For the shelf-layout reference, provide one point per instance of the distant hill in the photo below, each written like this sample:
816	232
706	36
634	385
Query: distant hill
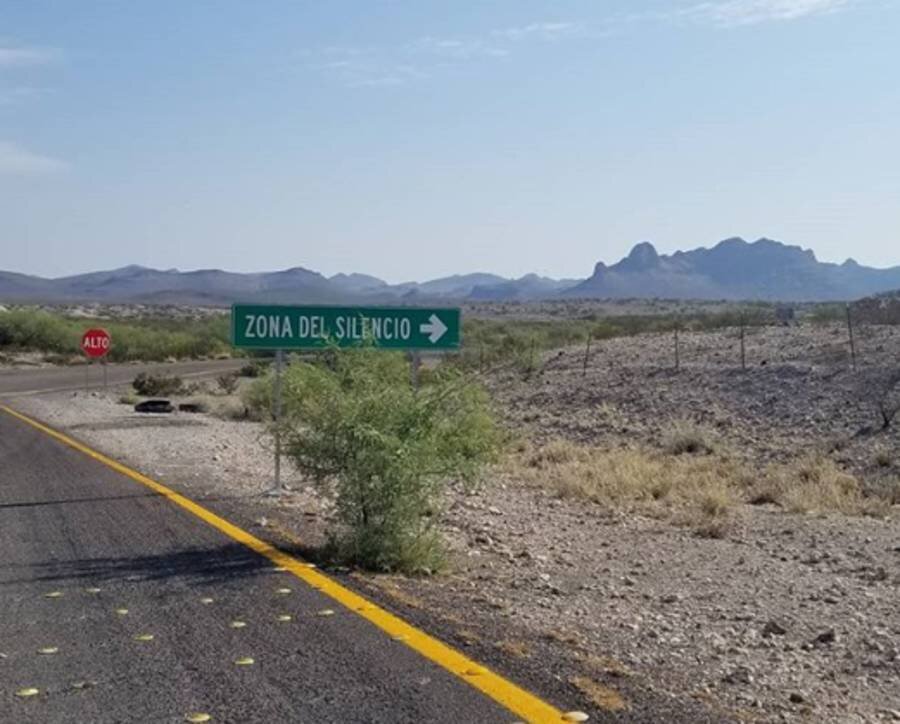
732	269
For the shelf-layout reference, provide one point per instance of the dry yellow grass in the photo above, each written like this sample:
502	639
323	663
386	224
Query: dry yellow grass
816	484
515	648
697	490
599	695
703	489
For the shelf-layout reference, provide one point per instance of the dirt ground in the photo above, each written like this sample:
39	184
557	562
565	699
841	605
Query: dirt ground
786	617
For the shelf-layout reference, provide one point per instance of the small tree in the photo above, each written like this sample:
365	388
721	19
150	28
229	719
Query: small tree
888	399
387	451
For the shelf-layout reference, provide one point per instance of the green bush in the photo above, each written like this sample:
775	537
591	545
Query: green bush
147	339
148	385
358	428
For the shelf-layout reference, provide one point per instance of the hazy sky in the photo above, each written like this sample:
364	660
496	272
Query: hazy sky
413	139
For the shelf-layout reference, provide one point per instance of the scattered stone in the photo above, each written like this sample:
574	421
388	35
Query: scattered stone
740	675
773	628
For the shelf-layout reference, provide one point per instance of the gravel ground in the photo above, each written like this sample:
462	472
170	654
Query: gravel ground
787	618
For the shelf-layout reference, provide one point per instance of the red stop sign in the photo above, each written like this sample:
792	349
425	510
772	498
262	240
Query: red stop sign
96	342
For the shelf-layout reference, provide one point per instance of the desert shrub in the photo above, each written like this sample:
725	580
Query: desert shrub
148	385
257	398
256	368
887	398
230	409
359	429
685	437
228	383
129	398
150	338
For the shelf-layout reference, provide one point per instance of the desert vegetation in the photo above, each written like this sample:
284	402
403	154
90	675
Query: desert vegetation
354	424
148	338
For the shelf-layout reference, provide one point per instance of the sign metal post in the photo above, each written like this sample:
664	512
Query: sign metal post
277	414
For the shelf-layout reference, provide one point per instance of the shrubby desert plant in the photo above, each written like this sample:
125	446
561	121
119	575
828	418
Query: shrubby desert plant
149	338
887	398
228	383
256	368
358	428
686	437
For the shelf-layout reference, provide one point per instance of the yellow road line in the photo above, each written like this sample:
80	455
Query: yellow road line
522	703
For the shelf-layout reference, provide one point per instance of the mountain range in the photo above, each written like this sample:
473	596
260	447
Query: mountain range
733	269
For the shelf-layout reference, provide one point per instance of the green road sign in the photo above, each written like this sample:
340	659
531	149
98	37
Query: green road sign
262	326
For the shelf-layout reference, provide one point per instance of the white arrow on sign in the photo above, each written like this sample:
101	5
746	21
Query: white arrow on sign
435	328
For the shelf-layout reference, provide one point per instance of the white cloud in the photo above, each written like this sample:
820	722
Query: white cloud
427	56
458	48
540	31
18	161
359	69
731	13
11	57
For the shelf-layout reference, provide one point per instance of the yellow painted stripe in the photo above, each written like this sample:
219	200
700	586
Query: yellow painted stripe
524	704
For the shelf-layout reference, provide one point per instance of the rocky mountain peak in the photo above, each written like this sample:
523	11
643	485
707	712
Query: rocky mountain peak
642	257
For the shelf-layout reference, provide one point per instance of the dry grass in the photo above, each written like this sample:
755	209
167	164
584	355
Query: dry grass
699	491
703	490
599	695
515	648
816	484
685	437
604	665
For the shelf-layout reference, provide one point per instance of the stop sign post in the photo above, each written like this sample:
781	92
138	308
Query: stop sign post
95	343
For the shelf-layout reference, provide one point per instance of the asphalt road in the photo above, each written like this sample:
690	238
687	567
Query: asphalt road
24	381
92	561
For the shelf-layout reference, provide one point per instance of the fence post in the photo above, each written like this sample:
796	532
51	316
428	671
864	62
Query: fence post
531	357
743	347
587	354
852	341
677	351
481	359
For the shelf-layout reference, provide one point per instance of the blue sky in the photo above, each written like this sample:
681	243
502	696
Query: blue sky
413	139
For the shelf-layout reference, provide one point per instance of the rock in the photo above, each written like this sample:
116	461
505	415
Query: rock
773	628
826	637
740	675
796	697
